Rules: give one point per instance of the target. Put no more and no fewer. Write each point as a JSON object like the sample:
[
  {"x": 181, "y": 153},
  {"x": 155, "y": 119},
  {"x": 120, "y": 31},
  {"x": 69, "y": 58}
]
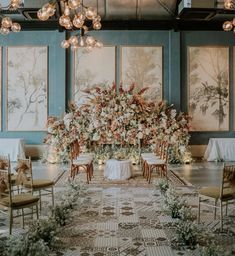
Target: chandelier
[
  {"x": 229, "y": 24},
  {"x": 74, "y": 16},
  {"x": 7, "y": 24}
]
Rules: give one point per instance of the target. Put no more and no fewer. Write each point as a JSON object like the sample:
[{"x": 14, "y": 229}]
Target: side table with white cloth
[
  {"x": 12, "y": 146},
  {"x": 220, "y": 149},
  {"x": 118, "y": 169}
]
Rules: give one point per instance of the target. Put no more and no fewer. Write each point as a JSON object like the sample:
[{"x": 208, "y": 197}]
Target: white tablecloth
[
  {"x": 13, "y": 147},
  {"x": 222, "y": 149},
  {"x": 118, "y": 169}
]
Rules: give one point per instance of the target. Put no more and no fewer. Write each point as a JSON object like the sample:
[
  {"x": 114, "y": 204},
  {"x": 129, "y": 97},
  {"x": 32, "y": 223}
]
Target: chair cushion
[
  {"x": 39, "y": 183},
  {"x": 214, "y": 192},
  {"x": 19, "y": 200}
]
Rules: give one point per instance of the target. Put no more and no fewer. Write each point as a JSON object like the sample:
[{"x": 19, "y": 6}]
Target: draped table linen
[
  {"x": 220, "y": 149},
  {"x": 12, "y": 146},
  {"x": 118, "y": 169}
]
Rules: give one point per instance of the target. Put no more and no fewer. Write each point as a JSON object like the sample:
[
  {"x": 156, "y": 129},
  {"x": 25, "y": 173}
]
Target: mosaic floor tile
[
  {"x": 153, "y": 233},
  {"x": 159, "y": 251}
]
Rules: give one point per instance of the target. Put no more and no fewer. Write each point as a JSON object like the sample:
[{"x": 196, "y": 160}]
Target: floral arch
[{"x": 119, "y": 118}]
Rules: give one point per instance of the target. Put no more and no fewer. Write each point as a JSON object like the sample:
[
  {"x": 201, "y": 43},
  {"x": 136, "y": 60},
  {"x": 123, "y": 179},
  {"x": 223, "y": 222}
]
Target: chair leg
[
  {"x": 10, "y": 220},
  {"x": 221, "y": 215},
  {"x": 52, "y": 196},
  {"x": 150, "y": 174},
  {"x": 23, "y": 217},
  {"x": 37, "y": 211},
  {"x": 40, "y": 200},
  {"x": 215, "y": 209},
  {"x": 199, "y": 209}
]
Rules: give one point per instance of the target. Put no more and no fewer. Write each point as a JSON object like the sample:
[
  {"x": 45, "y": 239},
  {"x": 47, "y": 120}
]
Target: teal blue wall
[{"x": 174, "y": 69}]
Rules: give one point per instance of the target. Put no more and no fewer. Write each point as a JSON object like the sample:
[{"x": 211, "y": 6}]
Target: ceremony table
[
  {"x": 220, "y": 149},
  {"x": 118, "y": 169},
  {"x": 12, "y": 146}
]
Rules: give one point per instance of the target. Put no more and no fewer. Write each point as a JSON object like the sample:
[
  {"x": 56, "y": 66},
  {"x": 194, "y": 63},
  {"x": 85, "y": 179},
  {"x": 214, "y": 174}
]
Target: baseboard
[{"x": 198, "y": 150}]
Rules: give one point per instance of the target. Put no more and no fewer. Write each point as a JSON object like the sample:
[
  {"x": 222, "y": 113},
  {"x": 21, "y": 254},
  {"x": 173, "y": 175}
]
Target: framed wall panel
[
  {"x": 96, "y": 68},
  {"x": 142, "y": 65},
  {"x": 27, "y": 88},
  {"x": 208, "y": 87}
]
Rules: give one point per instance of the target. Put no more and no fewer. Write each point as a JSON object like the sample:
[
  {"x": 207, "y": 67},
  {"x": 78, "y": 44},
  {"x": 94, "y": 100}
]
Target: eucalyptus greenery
[
  {"x": 187, "y": 232},
  {"x": 162, "y": 184},
  {"x": 173, "y": 202},
  {"x": 27, "y": 245},
  {"x": 211, "y": 249}
]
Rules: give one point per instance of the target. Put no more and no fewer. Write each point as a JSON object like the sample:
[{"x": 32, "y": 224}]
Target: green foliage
[
  {"x": 60, "y": 213},
  {"x": 211, "y": 249},
  {"x": 27, "y": 245},
  {"x": 44, "y": 230},
  {"x": 187, "y": 232},
  {"x": 162, "y": 184}
]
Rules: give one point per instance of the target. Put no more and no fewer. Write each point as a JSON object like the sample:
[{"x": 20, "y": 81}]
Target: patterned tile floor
[{"x": 129, "y": 219}]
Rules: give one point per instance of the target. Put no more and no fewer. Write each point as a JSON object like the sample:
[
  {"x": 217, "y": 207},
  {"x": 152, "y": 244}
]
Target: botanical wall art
[
  {"x": 142, "y": 65},
  {"x": 208, "y": 81},
  {"x": 26, "y": 88},
  {"x": 96, "y": 68}
]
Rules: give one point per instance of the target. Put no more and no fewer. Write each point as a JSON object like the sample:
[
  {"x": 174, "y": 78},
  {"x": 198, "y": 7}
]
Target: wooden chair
[
  {"x": 25, "y": 178},
  {"x": 220, "y": 196},
  {"x": 80, "y": 162},
  {"x": 9, "y": 202},
  {"x": 160, "y": 165}
]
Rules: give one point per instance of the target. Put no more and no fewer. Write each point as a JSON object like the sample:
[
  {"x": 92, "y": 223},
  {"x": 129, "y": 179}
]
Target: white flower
[
  {"x": 96, "y": 137},
  {"x": 140, "y": 135}
]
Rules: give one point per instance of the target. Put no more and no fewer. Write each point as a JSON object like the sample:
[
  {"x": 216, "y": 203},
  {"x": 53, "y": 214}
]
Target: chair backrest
[
  {"x": 74, "y": 150},
  {"x": 24, "y": 172},
  {"x": 228, "y": 182},
  {"x": 5, "y": 178}
]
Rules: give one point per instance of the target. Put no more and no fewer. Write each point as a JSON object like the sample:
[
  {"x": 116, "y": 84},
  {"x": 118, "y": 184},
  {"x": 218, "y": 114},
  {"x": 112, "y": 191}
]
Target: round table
[{"x": 118, "y": 169}]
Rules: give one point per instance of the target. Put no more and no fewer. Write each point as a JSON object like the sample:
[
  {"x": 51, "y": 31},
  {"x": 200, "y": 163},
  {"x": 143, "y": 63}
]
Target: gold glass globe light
[
  {"x": 74, "y": 16},
  {"x": 6, "y": 24}
]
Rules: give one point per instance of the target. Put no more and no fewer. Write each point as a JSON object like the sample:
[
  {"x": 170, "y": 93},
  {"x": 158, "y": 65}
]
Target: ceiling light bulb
[
  {"x": 74, "y": 4},
  {"x": 90, "y": 13},
  {"x": 77, "y": 22},
  {"x": 81, "y": 42},
  {"x": 74, "y": 47},
  {"x": 6, "y": 22},
  {"x": 42, "y": 15},
  {"x": 73, "y": 40},
  {"x": 98, "y": 44},
  {"x": 65, "y": 44},
  {"x": 90, "y": 40},
  {"x": 227, "y": 26},
  {"x": 15, "y": 4},
  {"x": 15, "y": 27},
  {"x": 66, "y": 10},
  {"x": 97, "y": 25},
  {"x": 4, "y": 31},
  {"x": 64, "y": 20},
  {"x": 85, "y": 29}
]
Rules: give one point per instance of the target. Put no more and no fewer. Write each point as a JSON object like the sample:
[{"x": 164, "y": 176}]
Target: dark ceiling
[{"x": 135, "y": 14}]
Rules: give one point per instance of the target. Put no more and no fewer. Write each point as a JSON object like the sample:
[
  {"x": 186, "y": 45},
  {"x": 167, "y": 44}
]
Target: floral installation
[{"x": 120, "y": 117}]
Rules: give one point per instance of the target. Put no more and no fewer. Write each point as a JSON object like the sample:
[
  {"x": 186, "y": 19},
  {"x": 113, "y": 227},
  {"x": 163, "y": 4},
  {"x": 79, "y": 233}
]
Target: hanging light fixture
[
  {"x": 7, "y": 24},
  {"x": 229, "y": 24},
  {"x": 74, "y": 16}
]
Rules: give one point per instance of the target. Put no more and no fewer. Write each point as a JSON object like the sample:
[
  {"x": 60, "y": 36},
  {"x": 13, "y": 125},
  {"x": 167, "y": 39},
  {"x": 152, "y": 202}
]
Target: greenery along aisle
[{"x": 122, "y": 117}]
